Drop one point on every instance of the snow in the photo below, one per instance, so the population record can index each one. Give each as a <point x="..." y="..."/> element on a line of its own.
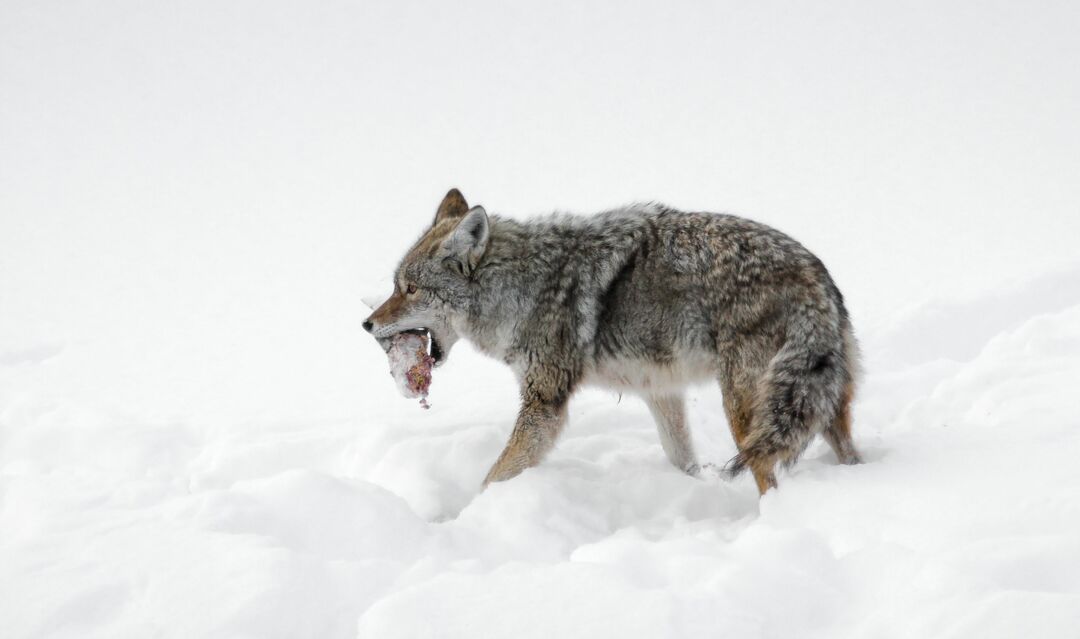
<point x="961" y="524"/>
<point x="197" y="439"/>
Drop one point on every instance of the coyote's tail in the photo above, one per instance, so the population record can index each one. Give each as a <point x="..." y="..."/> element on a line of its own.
<point x="800" y="393"/>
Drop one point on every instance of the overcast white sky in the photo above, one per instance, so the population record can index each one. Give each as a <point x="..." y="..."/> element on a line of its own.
<point x="219" y="161"/>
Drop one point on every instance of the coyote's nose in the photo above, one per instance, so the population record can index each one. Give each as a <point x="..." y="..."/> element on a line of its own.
<point x="368" y="325"/>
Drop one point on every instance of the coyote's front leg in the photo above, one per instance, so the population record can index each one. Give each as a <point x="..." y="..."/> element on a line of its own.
<point x="542" y="415"/>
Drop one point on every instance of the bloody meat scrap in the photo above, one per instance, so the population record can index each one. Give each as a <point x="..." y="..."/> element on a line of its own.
<point x="411" y="365"/>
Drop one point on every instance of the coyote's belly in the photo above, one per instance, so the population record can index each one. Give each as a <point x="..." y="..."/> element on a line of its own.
<point x="648" y="376"/>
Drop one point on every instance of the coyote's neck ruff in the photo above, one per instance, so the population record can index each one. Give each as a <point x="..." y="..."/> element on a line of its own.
<point x="644" y="299"/>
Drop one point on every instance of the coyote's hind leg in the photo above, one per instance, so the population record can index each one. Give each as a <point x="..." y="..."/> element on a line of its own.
<point x="738" y="408"/>
<point x="838" y="433"/>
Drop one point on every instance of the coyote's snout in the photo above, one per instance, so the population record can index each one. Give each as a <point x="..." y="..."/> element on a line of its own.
<point x="642" y="299"/>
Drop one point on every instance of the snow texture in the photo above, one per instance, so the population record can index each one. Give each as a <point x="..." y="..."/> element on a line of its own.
<point x="961" y="524"/>
<point x="197" y="439"/>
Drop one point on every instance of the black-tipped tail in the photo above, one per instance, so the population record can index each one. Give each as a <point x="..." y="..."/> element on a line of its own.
<point x="737" y="464"/>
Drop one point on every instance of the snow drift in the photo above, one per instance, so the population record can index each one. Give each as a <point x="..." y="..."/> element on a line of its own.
<point x="961" y="524"/>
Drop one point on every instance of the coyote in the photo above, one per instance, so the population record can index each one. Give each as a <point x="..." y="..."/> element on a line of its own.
<point x="641" y="299"/>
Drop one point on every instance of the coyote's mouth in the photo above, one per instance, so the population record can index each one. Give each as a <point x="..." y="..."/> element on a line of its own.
<point x="434" y="348"/>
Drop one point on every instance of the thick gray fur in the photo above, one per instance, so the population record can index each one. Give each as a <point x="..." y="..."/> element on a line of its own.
<point x="642" y="299"/>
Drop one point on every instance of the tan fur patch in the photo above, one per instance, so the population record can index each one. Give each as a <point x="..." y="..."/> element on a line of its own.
<point x="432" y="240"/>
<point x="739" y="416"/>
<point x="838" y="434"/>
<point x="387" y="312"/>
<point x="842" y="424"/>
<point x="763" y="476"/>
<point x="452" y="207"/>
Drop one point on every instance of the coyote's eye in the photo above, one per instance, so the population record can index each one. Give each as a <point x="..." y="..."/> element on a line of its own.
<point x="411" y="289"/>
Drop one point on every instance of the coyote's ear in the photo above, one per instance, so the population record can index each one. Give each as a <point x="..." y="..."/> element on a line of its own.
<point x="453" y="206"/>
<point x="467" y="242"/>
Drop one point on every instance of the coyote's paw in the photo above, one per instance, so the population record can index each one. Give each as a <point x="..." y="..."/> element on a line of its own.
<point x="705" y="471"/>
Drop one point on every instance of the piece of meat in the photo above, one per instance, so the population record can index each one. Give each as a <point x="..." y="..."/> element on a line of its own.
<point x="410" y="365"/>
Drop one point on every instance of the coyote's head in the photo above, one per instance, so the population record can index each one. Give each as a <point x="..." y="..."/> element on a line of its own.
<point x="431" y="284"/>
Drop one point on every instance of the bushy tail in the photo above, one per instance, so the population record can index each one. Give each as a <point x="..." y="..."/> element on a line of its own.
<point x="797" y="397"/>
